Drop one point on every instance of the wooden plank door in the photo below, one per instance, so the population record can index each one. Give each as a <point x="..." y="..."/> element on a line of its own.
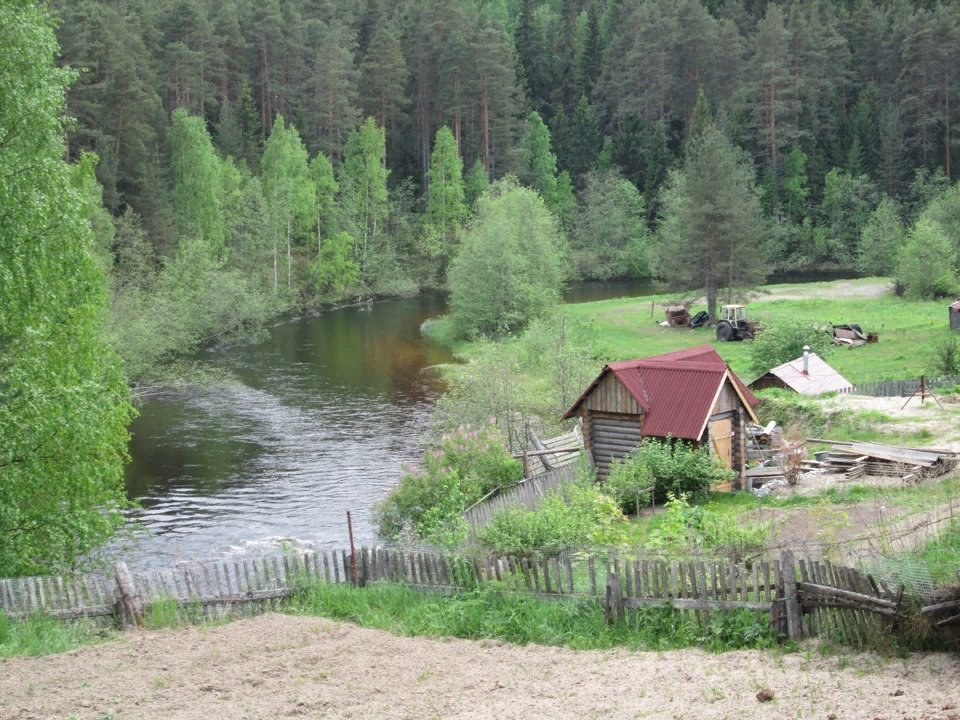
<point x="721" y="440"/>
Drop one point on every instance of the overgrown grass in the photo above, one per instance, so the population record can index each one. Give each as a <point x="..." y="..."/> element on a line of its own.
<point x="42" y="635"/>
<point x="519" y="618"/>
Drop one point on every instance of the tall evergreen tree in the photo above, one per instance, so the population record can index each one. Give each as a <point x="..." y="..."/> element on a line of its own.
<point x="711" y="221"/>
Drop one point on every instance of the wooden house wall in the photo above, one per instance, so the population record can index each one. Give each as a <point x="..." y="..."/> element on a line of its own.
<point x="611" y="396"/>
<point x="728" y="400"/>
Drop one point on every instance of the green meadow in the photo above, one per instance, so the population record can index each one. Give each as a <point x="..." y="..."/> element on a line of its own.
<point x="628" y="327"/>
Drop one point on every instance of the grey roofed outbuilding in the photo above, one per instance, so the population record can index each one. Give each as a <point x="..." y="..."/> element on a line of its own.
<point x="818" y="378"/>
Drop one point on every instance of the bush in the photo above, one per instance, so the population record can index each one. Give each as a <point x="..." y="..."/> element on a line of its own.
<point x="685" y="528"/>
<point x="785" y="341"/>
<point x="427" y="503"/>
<point x="926" y="263"/>
<point x="946" y="356"/>
<point x="630" y="484"/>
<point x="578" y="516"/>
<point x="674" y="467"/>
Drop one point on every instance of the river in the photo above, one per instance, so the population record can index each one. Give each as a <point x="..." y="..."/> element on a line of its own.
<point x="318" y="421"/>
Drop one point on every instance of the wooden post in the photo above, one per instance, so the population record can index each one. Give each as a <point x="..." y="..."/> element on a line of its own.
<point x="128" y="604"/>
<point x="613" y="599"/>
<point x="790" y="600"/>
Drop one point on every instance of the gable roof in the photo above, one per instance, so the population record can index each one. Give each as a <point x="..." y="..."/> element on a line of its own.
<point x="820" y="378"/>
<point x="677" y="390"/>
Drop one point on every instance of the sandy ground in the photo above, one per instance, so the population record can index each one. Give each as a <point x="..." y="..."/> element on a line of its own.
<point x="277" y="666"/>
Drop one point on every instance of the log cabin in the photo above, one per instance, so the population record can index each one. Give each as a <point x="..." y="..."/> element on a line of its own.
<point x="690" y="395"/>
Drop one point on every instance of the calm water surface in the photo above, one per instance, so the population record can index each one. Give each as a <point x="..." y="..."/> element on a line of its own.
<point x="318" y="422"/>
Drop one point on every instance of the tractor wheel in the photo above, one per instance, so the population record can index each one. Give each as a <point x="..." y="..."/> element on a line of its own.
<point x="724" y="331"/>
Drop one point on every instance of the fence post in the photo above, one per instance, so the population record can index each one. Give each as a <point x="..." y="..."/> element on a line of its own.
<point x="613" y="599"/>
<point x="128" y="604"/>
<point x="790" y="600"/>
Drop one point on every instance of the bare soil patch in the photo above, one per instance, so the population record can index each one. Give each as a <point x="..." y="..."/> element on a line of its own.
<point x="277" y="666"/>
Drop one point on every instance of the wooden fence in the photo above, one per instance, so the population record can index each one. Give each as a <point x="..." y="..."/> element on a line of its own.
<point x="803" y="598"/>
<point x="903" y="388"/>
<point x="528" y="493"/>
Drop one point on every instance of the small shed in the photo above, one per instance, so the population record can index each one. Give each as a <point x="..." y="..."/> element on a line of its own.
<point x="955" y="316"/>
<point x="689" y="395"/>
<point x="807" y="375"/>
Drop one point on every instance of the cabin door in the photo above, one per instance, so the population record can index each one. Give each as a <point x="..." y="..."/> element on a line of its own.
<point x="721" y="440"/>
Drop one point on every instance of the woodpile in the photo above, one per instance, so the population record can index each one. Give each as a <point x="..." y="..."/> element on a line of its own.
<point x="854" y="459"/>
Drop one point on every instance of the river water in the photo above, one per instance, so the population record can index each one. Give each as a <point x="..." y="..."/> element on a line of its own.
<point x="319" y="420"/>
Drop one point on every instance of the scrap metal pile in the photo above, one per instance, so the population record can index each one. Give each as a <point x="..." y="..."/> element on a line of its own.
<point x="853" y="459"/>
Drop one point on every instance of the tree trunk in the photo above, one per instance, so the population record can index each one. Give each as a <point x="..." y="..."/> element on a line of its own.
<point x="485" y="120"/>
<point x="289" y="268"/>
<point x="710" y="273"/>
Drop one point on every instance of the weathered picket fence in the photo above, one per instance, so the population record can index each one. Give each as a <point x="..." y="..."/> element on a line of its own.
<point x="904" y="388"/>
<point x="803" y="598"/>
<point x="528" y="493"/>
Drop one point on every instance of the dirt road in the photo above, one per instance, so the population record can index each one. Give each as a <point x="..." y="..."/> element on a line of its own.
<point x="276" y="666"/>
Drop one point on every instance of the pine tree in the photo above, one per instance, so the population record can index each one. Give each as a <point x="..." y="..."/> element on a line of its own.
<point x="331" y="88"/>
<point x="772" y="91"/>
<point x="711" y="221"/>
<point x="383" y="79"/>
<point x="64" y="403"/>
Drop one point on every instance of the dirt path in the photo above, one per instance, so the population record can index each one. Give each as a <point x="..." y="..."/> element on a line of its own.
<point x="277" y="666"/>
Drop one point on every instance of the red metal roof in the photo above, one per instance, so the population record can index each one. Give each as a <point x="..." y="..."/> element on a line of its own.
<point x="679" y="395"/>
<point x="676" y="390"/>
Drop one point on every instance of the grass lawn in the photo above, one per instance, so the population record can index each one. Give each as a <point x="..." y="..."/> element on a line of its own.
<point x="626" y="329"/>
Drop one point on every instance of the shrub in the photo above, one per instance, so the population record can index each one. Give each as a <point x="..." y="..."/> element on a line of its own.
<point x="673" y="467"/>
<point x="427" y="503"/>
<point x="630" y="483"/>
<point x="578" y="516"/>
<point x="785" y="341"/>
<point x="685" y="528"/>
<point x="946" y="356"/>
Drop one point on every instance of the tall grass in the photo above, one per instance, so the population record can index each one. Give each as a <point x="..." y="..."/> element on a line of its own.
<point x="485" y="613"/>
<point x="42" y="635"/>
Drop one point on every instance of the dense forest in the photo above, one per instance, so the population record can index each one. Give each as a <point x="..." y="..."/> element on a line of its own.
<point x="324" y="149"/>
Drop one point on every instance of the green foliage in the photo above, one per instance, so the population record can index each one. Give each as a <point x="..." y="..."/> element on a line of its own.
<point x="64" y="403"/>
<point x="579" y="515"/>
<point x="711" y="224"/>
<point x="446" y="203"/>
<point x="927" y="262"/>
<point x="325" y="186"/>
<point x="42" y="635"/>
<point x="476" y="184"/>
<point x="485" y="613"/>
<point x="333" y="270"/>
<point x="795" y="191"/>
<point x="685" y="529"/>
<point x="288" y="191"/>
<point x="522" y="381"/>
<point x="514" y="245"/>
<point x="630" y="483"/>
<point x="881" y="240"/>
<point x="363" y="191"/>
<point x="610" y="237"/>
<point x="675" y="468"/>
<point x="848" y="201"/>
<point x="784" y="341"/>
<point x="197" y="180"/>
<point x="427" y="503"/>
<point x="946" y="355"/>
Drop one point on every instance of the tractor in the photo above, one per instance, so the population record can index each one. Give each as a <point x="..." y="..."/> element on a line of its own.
<point x="734" y="325"/>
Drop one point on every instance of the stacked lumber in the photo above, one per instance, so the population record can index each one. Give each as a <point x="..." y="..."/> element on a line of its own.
<point x="853" y="459"/>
